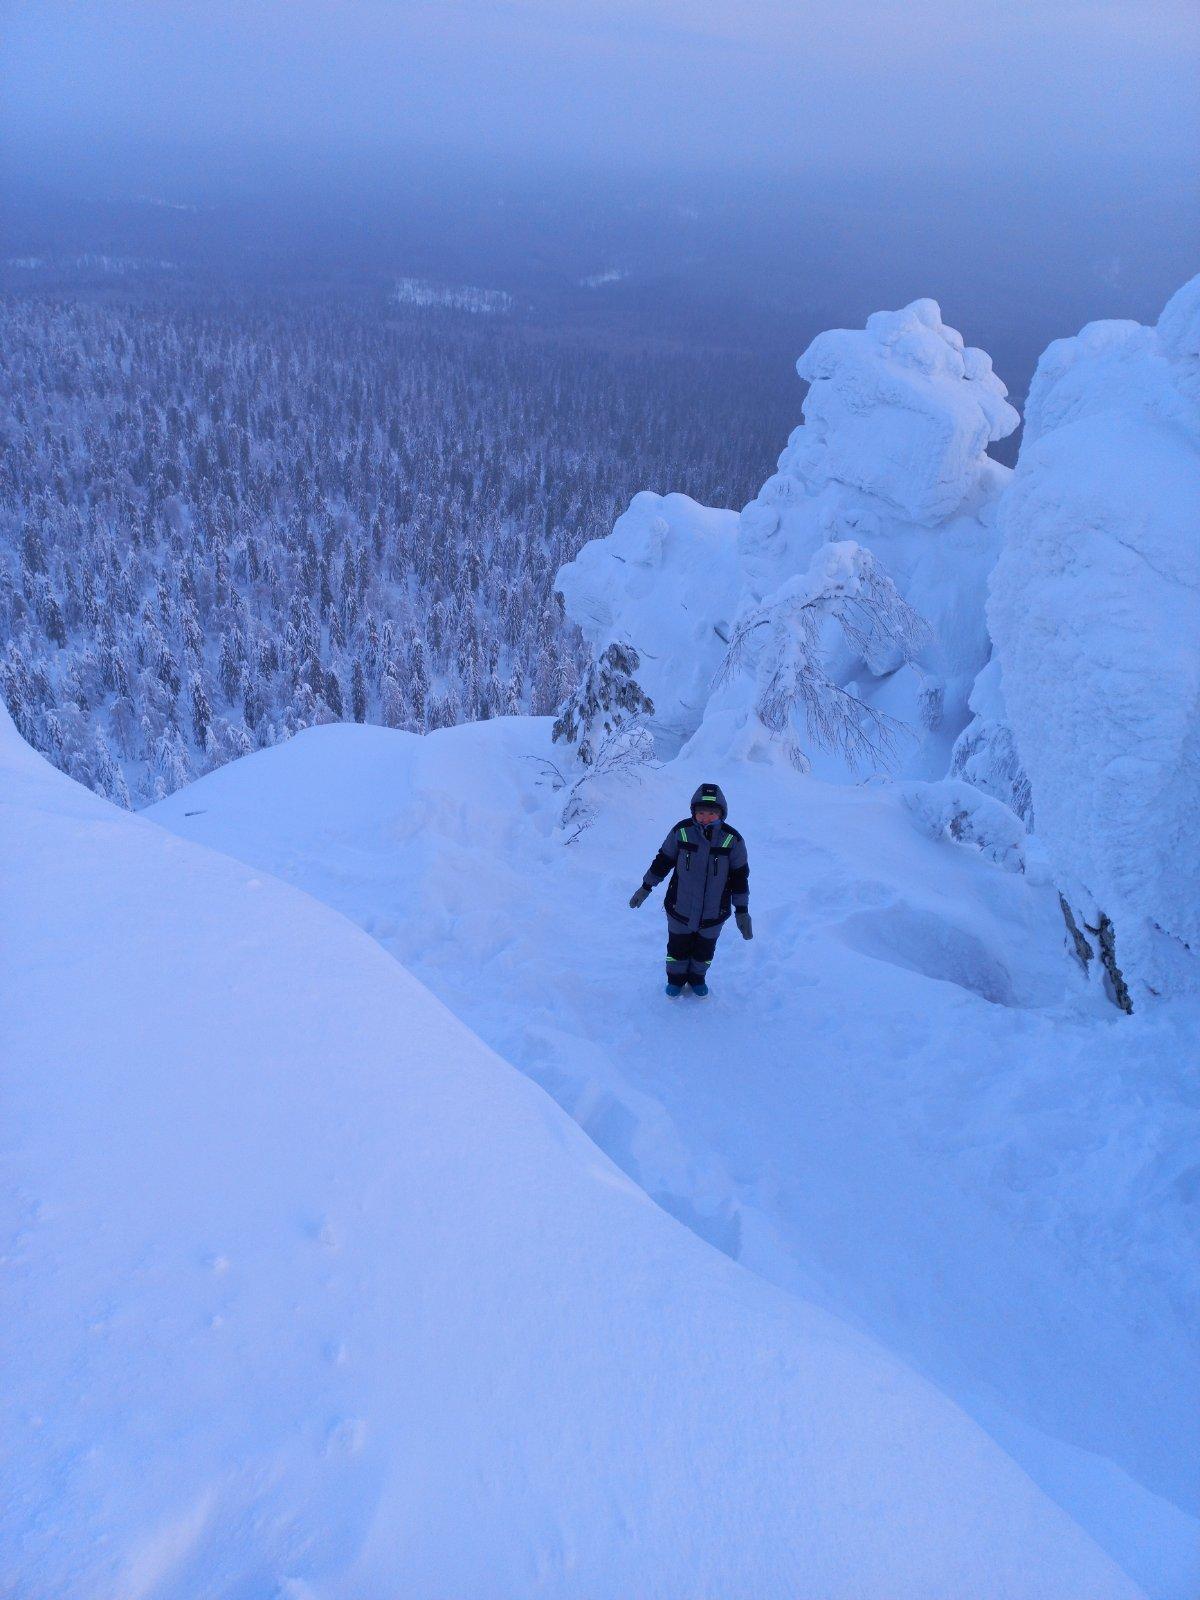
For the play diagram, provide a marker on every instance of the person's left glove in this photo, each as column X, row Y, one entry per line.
column 638, row 896
column 742, row 918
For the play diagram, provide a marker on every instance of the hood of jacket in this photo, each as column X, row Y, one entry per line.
column 710, row 794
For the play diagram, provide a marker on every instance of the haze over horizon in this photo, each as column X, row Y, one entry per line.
column 668, row 86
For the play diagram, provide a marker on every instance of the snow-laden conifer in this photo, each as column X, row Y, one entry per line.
column 606, row 697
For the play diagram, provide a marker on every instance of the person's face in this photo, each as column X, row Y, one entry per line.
column 706, row 815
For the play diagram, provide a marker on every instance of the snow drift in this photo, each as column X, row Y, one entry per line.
column 1095, row 612
column 901, row 1097
column 311, row 1294
column 892, row 459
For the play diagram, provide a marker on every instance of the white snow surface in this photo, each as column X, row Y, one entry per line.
column 1095, row 611
column 901, row 1103
column 310, row 1294
column 891, row 456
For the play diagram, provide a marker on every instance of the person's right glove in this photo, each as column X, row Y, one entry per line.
column 742, row 918
column 638, row 896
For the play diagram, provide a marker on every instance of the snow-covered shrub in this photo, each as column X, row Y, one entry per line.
column 985, row 753
column 781, row 640
column 620, row 753
column 1095, row 612
column 953, row 810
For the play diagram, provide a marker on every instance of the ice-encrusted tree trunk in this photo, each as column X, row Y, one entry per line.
column 782, row 640
column 607, row 697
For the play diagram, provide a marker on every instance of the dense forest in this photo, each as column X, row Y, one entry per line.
column 225, row 516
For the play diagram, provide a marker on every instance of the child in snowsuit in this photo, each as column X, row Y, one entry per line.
column 710, row 874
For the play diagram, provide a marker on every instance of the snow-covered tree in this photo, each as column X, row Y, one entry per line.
column 107, row 776
column 201, row 709
column 607, row 696
column 392, row 701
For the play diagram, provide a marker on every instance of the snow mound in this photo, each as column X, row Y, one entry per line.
column 310, row 1293
column 1094, row 607
column 891, row 458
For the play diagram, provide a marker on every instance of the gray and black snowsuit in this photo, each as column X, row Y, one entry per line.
column 710, row 876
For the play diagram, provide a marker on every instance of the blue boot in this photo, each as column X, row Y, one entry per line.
column 700, row 989
column 674, row 990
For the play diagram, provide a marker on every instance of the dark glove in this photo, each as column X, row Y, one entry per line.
column 638, row 895
column 742, row 918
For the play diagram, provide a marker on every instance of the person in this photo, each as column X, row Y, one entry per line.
column 710, row 875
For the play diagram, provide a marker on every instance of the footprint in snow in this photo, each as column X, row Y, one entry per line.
column 325, row 1234
column 346, row 1437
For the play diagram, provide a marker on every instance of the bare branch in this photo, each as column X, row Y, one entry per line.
column 844, row 584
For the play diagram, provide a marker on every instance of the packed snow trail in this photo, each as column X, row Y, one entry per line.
column 309, row 1294
column 896, row 1100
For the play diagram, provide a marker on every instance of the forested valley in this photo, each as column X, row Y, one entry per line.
column 228, row 513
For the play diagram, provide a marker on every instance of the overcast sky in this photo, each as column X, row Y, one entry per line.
column 777, row 84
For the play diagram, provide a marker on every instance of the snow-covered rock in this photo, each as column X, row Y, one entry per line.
column 309, row 1293
column 891, row 457
column 665, row 583
column 1095, row 611
column 902, row 410
column 959, row 811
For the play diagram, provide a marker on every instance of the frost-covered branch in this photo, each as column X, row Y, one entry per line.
column 783, row 637
column 622, row 753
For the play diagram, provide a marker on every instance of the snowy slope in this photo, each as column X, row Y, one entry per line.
column 902, row 1100
column 310, row 1294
